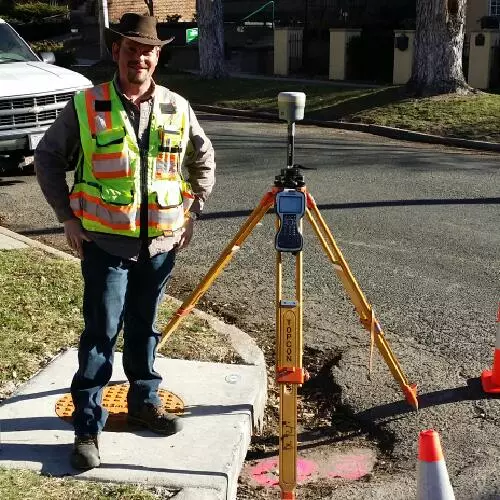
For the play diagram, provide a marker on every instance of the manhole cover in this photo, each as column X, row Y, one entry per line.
column 114, row 399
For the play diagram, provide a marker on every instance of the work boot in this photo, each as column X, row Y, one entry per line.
column 156, row 419
column 85, row 453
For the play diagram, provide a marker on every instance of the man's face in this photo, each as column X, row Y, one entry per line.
column 136, row 62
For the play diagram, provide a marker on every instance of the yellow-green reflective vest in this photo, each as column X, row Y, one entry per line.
column 106, row 195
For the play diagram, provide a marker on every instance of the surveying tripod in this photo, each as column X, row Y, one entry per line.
column 292, row 201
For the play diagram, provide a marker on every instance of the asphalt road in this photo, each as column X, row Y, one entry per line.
column 419, row 226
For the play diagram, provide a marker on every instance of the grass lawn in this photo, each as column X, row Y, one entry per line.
column 40, row 315
column 22, row 485
column 471, row 117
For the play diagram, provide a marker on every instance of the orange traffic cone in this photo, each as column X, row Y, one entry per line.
column 433, row 482
column 490, row 379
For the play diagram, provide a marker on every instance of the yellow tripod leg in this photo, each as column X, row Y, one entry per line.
column 289, row 375
column 288, row 441
column 264, row 205
column 357, row 297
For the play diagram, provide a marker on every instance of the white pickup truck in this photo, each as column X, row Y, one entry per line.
column 32, row 93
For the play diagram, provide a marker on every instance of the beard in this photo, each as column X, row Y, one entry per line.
column 137, row 77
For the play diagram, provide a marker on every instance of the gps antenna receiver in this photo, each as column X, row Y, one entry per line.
column 291, row 106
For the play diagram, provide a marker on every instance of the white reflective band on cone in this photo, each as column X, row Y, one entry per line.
column 433, row 482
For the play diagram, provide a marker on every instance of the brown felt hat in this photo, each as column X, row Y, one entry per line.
column 141, row 29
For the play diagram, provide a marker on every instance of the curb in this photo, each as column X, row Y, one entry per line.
column 380, row 130
column 246, row 348
column 33, row 243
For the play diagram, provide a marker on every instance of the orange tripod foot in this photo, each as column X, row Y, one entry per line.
column 410, row 392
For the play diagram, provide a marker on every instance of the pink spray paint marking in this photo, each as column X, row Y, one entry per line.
column 266, row 473
column 350, row 467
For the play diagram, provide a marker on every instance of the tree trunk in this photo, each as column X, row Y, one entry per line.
column 211, row 38
column 150, row 5
column 439, row 41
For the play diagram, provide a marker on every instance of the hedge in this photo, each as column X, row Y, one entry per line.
column 64, row 57
column 37, row 20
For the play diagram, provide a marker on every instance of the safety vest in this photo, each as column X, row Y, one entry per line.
column 106, row 195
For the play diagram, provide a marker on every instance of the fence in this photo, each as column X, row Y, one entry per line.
column 295, row 51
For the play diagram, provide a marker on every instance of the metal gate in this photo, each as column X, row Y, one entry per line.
column 316, row 51
column 295, row 50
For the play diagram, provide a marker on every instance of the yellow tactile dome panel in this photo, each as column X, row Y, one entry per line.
column 114, row 399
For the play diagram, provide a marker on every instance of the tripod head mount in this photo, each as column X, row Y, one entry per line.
column 290, row 178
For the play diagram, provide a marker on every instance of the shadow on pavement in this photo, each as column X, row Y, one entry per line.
column 471, row 392
column 324, row 206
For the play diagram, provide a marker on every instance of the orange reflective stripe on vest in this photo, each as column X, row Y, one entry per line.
column 98, row 120
column 165, row 219
column 110, row 165
column 112, row 216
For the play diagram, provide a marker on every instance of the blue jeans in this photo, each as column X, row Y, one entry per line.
column 117, row 293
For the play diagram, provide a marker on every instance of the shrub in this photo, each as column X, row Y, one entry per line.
column 46, row 46
column 6, row 6
column 37, row 20
column 64, row 57
column 174, row 18
column 41, row 30
column 37, row 11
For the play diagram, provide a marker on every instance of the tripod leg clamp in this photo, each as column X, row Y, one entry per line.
column 290, row 375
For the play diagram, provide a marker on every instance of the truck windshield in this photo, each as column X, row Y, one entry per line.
column 12, row 47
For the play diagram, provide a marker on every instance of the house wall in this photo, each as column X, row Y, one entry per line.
column 162, row 8
column 476, row 9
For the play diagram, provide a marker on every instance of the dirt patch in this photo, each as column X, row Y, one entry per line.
column 326, row 427
column 319, row 465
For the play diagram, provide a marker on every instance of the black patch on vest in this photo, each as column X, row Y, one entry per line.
column 102, row 106
column 166, row 149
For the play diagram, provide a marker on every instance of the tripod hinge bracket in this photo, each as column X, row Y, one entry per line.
column 290, row 375
column 184, row 311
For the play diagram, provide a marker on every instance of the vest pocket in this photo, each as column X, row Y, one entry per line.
column 110, row 159
column 168, row 158
column 166, row 165
column 166, row 212
column 102, row 209
column 109, row 137
column 168, row 193
column 115, row 196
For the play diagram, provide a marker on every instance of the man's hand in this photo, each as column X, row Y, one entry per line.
column 75, row 234
column 187, row 234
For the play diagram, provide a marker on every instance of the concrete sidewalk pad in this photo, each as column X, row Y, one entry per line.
column 7, row 243
column 222, row 404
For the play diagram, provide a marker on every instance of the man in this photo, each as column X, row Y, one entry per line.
column 126, row 217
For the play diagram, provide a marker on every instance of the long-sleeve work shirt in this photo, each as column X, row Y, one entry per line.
column 61, row 145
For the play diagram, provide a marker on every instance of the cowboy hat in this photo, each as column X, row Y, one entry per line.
column 141, row 29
